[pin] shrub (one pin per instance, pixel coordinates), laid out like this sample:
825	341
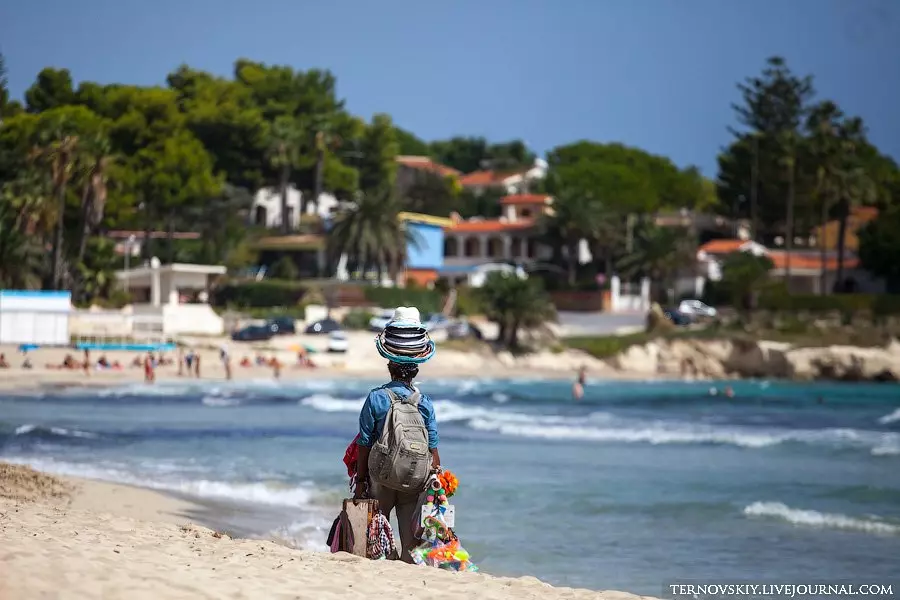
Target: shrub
357	319
259	294
425	300
606	346
284	268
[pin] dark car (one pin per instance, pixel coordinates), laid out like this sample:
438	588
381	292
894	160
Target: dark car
323	326
282	325
677	317
253	333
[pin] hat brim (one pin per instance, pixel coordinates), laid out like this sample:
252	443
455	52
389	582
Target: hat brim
399	358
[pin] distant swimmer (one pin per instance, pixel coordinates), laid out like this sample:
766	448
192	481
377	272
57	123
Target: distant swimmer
578	386
729	392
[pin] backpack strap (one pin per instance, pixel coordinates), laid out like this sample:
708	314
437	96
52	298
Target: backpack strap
413	397
392	395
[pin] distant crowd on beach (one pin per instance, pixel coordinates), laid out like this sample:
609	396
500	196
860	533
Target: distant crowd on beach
188	362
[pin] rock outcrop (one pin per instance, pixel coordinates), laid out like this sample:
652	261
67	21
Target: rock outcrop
761	359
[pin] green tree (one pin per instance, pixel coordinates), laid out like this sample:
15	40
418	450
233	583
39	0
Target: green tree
8	108
97	157
514	303
660	253
576	217
879	247
97	270
222	227
624	179
433	194
752	169
410	145
21	255
284	268
171	177
469	154
52	89
283	154
59	145
743	275
370	235
222	114
377	163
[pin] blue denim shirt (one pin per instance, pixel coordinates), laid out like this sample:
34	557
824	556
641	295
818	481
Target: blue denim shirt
374	412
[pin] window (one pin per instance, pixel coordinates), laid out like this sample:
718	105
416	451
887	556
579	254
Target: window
451	247
259	217
472	247
515	247
495	247
525	213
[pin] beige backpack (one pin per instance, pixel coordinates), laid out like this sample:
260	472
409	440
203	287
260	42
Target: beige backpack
401	459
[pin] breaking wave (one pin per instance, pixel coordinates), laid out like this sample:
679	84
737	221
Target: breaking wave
812	518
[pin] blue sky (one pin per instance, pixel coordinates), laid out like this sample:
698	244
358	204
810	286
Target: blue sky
656	74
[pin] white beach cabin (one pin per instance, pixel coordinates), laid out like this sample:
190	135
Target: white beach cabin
34	317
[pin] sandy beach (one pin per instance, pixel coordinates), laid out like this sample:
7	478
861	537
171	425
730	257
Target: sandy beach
359	361
73	538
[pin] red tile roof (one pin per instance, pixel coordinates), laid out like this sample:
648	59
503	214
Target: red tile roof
487	178
810	262
526	199
721	246
491	225
426	164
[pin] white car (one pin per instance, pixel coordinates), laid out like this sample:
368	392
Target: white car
381	319
337	342
696	308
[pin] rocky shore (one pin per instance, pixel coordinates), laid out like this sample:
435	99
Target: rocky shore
726	358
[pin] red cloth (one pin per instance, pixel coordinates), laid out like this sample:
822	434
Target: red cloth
351	455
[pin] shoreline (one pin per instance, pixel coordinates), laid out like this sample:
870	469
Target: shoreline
111	540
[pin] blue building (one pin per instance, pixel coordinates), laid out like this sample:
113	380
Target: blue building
425	250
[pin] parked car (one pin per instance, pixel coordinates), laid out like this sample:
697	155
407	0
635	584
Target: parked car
435	321
381	319
282	325
253	333
323	326
677	317
338	342
696	308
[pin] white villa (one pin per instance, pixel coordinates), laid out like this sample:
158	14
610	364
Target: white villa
516	182
266	209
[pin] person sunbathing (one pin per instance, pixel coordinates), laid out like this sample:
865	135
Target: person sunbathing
245	362
3	363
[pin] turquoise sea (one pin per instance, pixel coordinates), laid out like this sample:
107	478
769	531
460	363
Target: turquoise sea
638	484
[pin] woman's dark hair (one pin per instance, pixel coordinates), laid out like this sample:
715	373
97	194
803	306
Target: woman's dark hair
404	372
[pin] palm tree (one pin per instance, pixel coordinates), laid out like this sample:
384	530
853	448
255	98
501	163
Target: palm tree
59	152
97	273
658	253
824	147
789	160
514	303
29	196
95	189
369	233
21	257
575	217
853	185
283	153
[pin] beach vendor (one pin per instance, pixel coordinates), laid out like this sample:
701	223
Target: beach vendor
399	479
